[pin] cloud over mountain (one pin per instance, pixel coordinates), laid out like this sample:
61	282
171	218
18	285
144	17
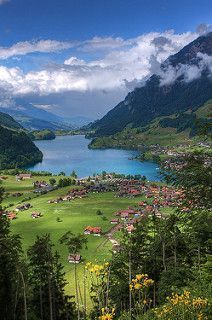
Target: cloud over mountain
125	61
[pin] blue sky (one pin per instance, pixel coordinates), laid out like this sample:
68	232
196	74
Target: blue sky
82	19
83	56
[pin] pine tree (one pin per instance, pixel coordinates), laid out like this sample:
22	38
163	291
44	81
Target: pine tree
10	265
47	282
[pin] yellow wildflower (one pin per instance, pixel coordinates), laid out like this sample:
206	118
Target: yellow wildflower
139	277
137	286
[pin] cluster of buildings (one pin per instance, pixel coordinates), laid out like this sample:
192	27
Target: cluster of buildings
8	214
22	207
42	187
71	195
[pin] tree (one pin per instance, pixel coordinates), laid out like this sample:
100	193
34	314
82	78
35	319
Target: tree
61	173
99	213
10	266
195	177
73	174
74	244
52	181
47	282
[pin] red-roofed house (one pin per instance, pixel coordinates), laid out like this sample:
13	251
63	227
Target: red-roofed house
96	231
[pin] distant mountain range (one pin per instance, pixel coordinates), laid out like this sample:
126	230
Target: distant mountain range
79	121
184	82
34	118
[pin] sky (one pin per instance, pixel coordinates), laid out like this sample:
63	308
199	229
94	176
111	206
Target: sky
81	57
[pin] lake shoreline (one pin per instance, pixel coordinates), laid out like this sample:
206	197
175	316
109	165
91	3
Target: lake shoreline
71	152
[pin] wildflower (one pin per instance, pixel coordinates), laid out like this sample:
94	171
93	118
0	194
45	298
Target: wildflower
107	314
137	286
199	303
134	280
148	282
139	277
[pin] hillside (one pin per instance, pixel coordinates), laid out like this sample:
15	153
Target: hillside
16	148
7	121
176	129
158	97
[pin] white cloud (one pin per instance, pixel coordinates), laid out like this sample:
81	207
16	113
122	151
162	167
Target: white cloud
128	63
94	44
104	43
26	47
187	72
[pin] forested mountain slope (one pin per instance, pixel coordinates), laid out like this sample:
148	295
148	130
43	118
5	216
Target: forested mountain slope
16	148
189	87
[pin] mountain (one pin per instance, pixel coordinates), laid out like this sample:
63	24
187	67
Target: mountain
185	128
79	121
7	121
33	118
16	148
190	88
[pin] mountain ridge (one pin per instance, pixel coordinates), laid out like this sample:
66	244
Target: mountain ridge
33	118
153	100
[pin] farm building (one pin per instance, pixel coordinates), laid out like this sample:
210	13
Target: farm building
96	231
74	258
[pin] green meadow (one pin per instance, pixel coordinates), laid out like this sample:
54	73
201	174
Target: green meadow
74	216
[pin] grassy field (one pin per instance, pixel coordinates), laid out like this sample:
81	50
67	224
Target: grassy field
74	216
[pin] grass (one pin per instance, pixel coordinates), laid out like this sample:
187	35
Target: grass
74	216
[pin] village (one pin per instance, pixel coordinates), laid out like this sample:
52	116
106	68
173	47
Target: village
149	199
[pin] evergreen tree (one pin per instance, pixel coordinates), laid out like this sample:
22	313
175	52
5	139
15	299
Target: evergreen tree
10	266
74	244
47	282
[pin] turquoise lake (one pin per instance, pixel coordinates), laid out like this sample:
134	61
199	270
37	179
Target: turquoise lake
68	153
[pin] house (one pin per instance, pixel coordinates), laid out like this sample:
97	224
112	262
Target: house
96	231
134	192
130	228
23	176
35	215
17	194
142	204
58	200
40	184
114	221
125	214
11	216
23	207
74	258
